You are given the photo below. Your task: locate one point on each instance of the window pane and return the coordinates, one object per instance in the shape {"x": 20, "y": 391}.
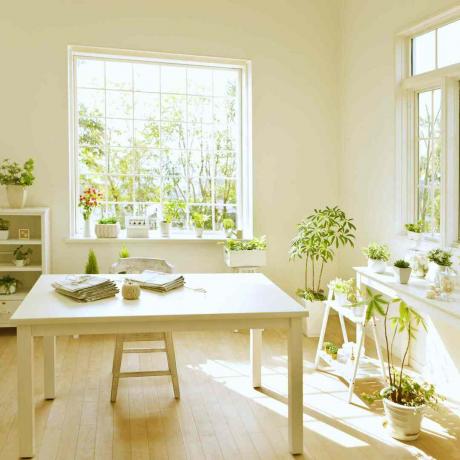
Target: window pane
{"x": 425, "y": 109}
{"x": 146, "y": 77}
{"x": 119, "y": 104}
{"x": 119, "y": 132}
{"x": 90, "y": 73}
{"x": 173, "y": 79}
{"x": 119, "y": 75}
{"x": 449, "y": 44}
{"x": 146, "y": 106}
{"x": 91, "y": 103}
{"x": 423, "y": 53}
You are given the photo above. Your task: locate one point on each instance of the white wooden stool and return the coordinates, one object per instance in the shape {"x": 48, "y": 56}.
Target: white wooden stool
{"x": 138, "y": 265}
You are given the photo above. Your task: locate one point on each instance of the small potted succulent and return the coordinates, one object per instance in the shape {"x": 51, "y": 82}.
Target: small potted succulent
{"x": 402, "y": 271}
{"x": 21, "y": 257}
{"x": 199, "y": 221}
{"x": 438, "y": 261}
{"x": 377, "y": 257}
{"x": 251, "y": 253}
{"x": 4, "y": 229}
{"x": 414, "y": 232}
{"x": 17, "y": 178}
{"x": 108, "y": 227}
{"x": 8, "y": 285}
{"x": 331, "y": 349}
{"x": 229, "y": 227}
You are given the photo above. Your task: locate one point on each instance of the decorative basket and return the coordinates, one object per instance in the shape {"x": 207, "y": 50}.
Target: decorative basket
{"x": 107, "y": 230}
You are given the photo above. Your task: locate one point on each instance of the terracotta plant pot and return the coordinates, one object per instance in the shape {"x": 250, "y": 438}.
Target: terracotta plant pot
{"x": 17, "y": 195}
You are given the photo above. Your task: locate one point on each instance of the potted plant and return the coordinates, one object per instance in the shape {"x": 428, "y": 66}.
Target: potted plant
{"x": 8, "y": 285}
{"x": 173, "y": 211}
{"x": 415, "y": 232}
{"x": 404, "y": 399}
{"x": 402, "y": 271}
{"x": 17, "y": 178}
{"x": 318, "y": 237}
{"x": 251, "y": 253}
{"x": 341, "y": 289}
{"x": 89, "y": 200}
{"x": 21, "y": 257}
{"x": 199, "y": 221}
{"x": 377, "y": 257}
{"x": 91, "y": 267}
{"x": 229, "y": 227}
{"x": 108, "y": 227}
{"x": 4, "y": 229}
{"x": 438, "y": 261}
{"x": 124, "y": 253}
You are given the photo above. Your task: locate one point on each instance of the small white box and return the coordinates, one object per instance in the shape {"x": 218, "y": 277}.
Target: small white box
{"x": 137, "y": 227}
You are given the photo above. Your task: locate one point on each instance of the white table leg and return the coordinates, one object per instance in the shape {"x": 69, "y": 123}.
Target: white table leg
{"x": 49, "y": 351}
{"x": 295, "y": 386}
{"x": 26, "y": 409}
{"x": 256, "y": 356}
{"x": 356, "y": 365}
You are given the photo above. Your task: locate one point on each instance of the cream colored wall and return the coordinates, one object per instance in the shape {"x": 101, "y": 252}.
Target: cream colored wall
{"x": 293, "y": 46}
{"x": 367, "y": 155}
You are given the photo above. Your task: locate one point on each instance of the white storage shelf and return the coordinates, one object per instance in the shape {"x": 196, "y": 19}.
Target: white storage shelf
{"x": 37, "y": 221}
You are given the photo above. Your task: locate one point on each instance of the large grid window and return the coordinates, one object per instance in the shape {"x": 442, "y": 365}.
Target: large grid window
{"x": 149, "y": 133}
{"x": 429, "y": 160}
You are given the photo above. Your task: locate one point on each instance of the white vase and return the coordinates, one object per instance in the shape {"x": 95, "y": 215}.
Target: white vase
{"x": 404, "y": 422}
{"x": 402, "y": 275}
{"x": 17, "y": 195}
{"x": 416, "y": 238}
{"x": 198, "y": 232}
{"x": 341, "y": 298}
{"x": 165, "y": 229}
{"x": 87, "y": 228}
{"x": 433, "y": 272}
{"x": 312, "y": 324}
{"x": 377, "y": 266}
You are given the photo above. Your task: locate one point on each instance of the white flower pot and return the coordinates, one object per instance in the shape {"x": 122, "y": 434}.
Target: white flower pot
{"x": 415, "y": 238}
{"x": 246, "y": 258}
{"x": 341, "y": 298}
{"x": 87, "y": 228}
{"x": 107, "y": 230}
{"x": 165, "y": 229}
{"x": 377, "y": 266}
{"x": 17, "y": 195}
{"x": 198, "y": 232}
{"x": 19, "y": 263}
{"x": 4, "y": 234}
{"x": 402, "y": 275}
{"x": 312, "y": 324}
{"x": 433, "y": 272}
{"x": 404, "y": 422}
{"x": 7, "y": 290}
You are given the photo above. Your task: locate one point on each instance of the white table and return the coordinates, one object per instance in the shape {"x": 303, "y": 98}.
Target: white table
{"x": 232, "y": 301}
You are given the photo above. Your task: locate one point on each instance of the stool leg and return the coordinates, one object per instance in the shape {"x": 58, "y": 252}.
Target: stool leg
{"x": 379, "y": 350}
{"x": 356, "y": 365}
{"x": 116, "y": 368}
{"x": 172, "y": 363}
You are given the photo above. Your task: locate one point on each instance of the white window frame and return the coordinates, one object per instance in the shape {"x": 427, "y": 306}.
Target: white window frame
{"x": 407, "y": 88}
{"x": 244, "y": 163}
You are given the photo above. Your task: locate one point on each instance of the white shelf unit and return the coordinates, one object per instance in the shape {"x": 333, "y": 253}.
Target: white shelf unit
{"x": 37, "y": 221}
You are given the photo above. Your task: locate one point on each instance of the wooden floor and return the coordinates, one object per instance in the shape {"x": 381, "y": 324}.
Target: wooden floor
{"x": 219, "y": 415}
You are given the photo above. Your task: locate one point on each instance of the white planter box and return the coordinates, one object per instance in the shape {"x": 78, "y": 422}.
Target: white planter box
{"x": 107, "y": 230}
{"x": 312, "y": 324}
{"x": 4, "y": 234}
{"x": 377, "y": 266}
{"x": 247, "y": 258}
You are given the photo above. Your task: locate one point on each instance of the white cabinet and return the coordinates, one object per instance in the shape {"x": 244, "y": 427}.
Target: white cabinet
{"x": 28, "y": 227}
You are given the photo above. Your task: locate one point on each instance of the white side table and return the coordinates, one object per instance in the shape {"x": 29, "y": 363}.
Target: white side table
{"x": 363, "y": 367}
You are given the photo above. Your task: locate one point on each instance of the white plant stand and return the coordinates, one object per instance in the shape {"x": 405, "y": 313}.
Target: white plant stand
{"x": 362, "y": 367}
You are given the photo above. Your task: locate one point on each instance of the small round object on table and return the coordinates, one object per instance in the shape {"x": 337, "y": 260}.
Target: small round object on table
{"x": 130, "y": 290}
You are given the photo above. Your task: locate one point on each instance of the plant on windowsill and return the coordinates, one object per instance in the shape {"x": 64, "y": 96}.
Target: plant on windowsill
{"x": 402, "y": 271}
{"x": 317, "y": 239}
{"x": 4, "y": 229}
{"x": 173, "y": 212}
{"x": 404, "y": 398}
{"x": 229, "y": 227}
{"x": 240, "y": 253}
{"x": 199, "y": 221}
{"x": 21, "y": 257}
{"x": 88, "y": 201}
{"x": 439, "y": 261}
{"x": 17, "y": 178}
{"x": 415, "y": 232}
{"x": 108, "y": 227}
{"x": 8, "y": 285}
{"x": 377, "y": 257}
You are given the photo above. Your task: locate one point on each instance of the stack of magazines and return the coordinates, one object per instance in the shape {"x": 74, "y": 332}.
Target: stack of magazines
{"x": 86, "y": 288}
{"x": 155, "y": 281}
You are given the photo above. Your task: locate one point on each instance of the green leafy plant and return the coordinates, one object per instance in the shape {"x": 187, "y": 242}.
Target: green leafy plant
{"x": 228, "y": 223}
{"x": 376, "y": 251}
{"x": 416, "y": 228}
{"x": 108, "y": 220}
{"x": 318, "y": 237}
{"x": 124, "y": 253}
{"x": 173, "y": 211}
{"x": 199, "y": 219}
{"x": 8, "y": 282}
{"x": 255, "y": 244}
{"x": 12, "y": 173}
{"x": 401, "y": 263}
{"x": 20, "y": 254}
{"x": 4, "y": 224}
{"x": 440, "y": 257}
{"x": 340, "y": 285}
{"x": 401, "y": 389}
{"x": 92, "y": 267}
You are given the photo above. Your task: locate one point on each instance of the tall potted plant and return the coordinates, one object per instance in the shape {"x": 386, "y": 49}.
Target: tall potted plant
{"x": 17, "y": 178}
{"x": 404, "y": 399}
{"x": 317, "y": 239}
